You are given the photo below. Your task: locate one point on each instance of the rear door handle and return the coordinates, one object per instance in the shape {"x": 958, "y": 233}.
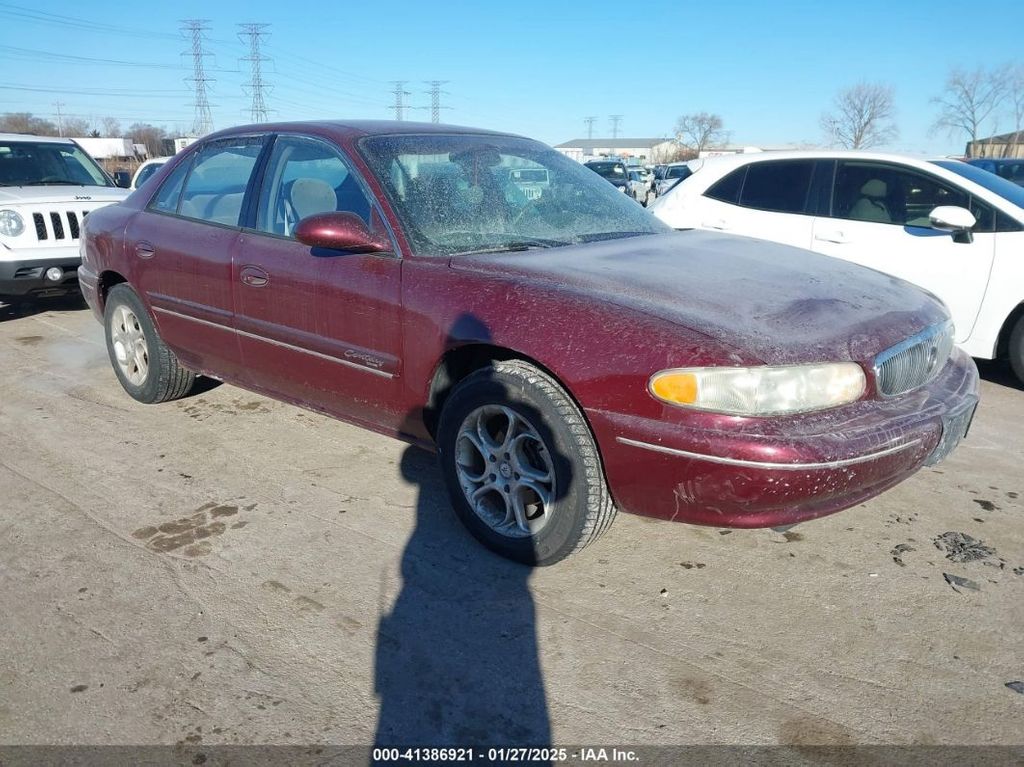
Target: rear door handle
{"x": 254, "y": 277}
{"x": 144, "y": 249}
{"x": 836, "y": 237}
{"x": 718, "y": 223}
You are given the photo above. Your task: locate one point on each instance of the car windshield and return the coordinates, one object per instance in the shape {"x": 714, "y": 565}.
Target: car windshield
{"x": 679, "y": 171}
{"x": 608, "y": 169}
{"x": 45, "y": 163}
{"x": 987, "y": 179}
{"x": 458, "y": 194}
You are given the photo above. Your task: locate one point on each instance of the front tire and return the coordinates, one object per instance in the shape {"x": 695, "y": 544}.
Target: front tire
{"x": 1016, "y": 351}
{"x": 146, "y": 368}
{"x": 521, "y": 466}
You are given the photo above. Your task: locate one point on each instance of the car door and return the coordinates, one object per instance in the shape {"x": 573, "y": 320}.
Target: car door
{"x": 880, "y": 218}
{"x": 184, "y": 241}
{"x": 773, "y": 200}
{"x": 317, "y": 326}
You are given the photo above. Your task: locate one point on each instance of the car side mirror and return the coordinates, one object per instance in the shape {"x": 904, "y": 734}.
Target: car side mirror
{"x": 123, "y": 179}
{"x": 953, "y": 219}
{"x": 340, "y": 231}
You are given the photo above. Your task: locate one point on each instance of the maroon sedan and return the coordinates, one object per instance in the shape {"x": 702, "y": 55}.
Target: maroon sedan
{"x": 566, "y": 353}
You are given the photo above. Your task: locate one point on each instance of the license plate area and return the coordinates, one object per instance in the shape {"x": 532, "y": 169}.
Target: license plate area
{"x": 954, "y": 429}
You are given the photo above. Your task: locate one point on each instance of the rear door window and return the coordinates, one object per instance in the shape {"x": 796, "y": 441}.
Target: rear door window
{"x": 220, "y": 175}
{"x": 781, "y": 186}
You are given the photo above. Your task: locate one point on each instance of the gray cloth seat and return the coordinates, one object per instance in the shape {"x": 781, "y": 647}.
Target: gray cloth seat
{"x": 871, "y": 204}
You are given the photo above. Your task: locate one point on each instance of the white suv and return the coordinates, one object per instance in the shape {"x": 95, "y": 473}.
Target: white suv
{"x": 954, "y": 229}
{"x": 47, "y": 187}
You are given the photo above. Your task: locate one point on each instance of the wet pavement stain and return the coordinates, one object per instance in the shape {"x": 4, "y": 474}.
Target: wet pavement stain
{"x": 898, "y": 551}
{"x": 960, "y": 547}
{"x": 189, "y": 533}
{"x": 80, "y": 688}
{"x": 201, "y": 409}
{"x": 792, "y": 537}
{"x": 29, "y": 340}
{"x": 986, "y": 505}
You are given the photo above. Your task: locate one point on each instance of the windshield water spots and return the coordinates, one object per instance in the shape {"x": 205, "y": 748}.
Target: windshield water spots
{"x": 467, "y": 193}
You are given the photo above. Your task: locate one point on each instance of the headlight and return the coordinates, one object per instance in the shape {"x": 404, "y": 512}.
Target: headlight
{"x": 774, "y": 390}
{"x": 11, "y": 224}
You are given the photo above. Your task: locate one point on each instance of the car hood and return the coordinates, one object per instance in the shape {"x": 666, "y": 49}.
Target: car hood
{"x": 10, "y": 195}
{"x": 770, "y": 303}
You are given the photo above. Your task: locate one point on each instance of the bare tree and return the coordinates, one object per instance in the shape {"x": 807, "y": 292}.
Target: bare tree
{"x": 1015, "y": 92}
{"x": 26, "y": 122}
{"x": 862, "y": 117}
{"x": 699, "y": 131}
{"x": 970, "y": 99}
{"x": 150, "y": 135}
{"x": 111, "y": 127}
{"x": 76, "y": 127}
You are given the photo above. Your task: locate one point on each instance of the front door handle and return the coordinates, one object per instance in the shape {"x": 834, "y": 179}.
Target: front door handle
{"x": 144, "y": 249}
{"x": 718, "y": 223}
{"x": 254, "y": 277}
{"x": 836, "y": 237}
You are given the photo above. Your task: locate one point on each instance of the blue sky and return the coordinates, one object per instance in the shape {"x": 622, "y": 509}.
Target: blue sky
{"x": 536, "y": 68}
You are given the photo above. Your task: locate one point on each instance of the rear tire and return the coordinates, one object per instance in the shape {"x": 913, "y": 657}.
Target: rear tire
{"x": 146, "y": 368}
{"x": 521, "y": 466}
{"x": 1016, "y": 351}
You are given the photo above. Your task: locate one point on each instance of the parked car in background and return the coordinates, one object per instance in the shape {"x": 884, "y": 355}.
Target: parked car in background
{"x": 666, "y": 176}
{"x": 566, "y": 355}
{"x": 146, "y": 171}
{"x": 950, "y": 227}
{"x": 638, "y": 188}
{"x": 1010, "y": 169}
{"x": 47, "y": 188}
{"x": 613, "y": 171}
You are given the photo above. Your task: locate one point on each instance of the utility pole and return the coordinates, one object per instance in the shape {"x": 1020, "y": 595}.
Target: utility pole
{"x": 194, "y": 29}
{"x": 590, "y": 126}
{"x": 60, "y": 118}
{"x": 616, "y": 119}
{"x": 399, "y": 93}
{"x": 255, "y": 33}
{"x": 435, "y": 99}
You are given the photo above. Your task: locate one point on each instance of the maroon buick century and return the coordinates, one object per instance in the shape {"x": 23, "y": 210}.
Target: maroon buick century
{"x": 565, "y": 353}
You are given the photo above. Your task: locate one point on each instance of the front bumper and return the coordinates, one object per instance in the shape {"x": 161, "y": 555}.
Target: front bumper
{"x": 25, "y": 277}
{"x": 771, "y": 472}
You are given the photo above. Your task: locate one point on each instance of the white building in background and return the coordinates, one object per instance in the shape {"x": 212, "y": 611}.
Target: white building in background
{"x": 111, "y": 148}
{"x": 643, "y": 150}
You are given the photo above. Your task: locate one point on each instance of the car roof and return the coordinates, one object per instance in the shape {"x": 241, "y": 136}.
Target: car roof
{"x": 357, "y": 128}
{"x": 742, "y": 158}
{"x": 34, "y": 138}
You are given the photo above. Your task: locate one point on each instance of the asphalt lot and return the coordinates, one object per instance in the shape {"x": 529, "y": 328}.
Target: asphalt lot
{"x": 229, "y": 569}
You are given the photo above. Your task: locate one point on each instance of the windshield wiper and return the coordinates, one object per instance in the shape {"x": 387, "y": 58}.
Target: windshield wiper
{"x": 598, "y": 236}
{"x": 530, "y": 243}
{"x": 53, "y": 183}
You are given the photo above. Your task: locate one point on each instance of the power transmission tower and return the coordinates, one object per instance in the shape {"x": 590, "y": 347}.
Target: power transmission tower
{"x": 435, "y": 99}
{"x": 60, "y": 118}
{"x": 590, "y": 126}
{"x": 255, "y": 33}
{"x": 194, "y": 29}
{"x": 400, "y": 93}
{"x": 616, "y": 119}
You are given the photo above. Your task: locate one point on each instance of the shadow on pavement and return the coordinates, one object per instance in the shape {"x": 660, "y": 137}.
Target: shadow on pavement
{"x": 999, "y": 372}
{"x": 72, "y": 302}
{"x": 457, "y": 659}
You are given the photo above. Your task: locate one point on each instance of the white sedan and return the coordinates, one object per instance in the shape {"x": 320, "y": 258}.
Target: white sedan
{"x": 954, "y": 229}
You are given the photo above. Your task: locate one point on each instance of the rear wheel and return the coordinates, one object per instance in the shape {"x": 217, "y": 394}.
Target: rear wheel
{"x": 521, "y": 466}
{"x": 1017, "y": 349}
{"x": 146, "y": 368}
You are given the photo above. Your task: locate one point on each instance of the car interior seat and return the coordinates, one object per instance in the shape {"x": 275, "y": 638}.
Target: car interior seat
{"x": 871, "y": 204}
{"x": 306, "y": 197}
